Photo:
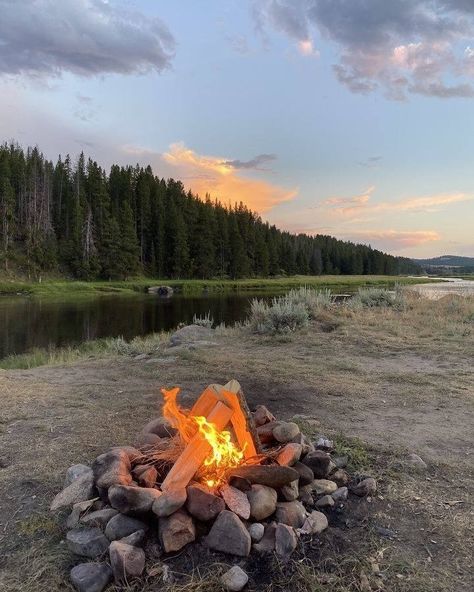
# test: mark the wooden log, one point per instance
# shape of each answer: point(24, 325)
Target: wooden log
point(196, 451)
point(271, 475)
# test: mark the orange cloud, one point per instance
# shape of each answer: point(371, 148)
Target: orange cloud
point(221, 179)
point(394, 239)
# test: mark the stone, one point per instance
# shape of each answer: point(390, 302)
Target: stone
point(169, 502)
point(315, 523)
point(133, 500)
point(323, 486)
point(267, 542)
point(270, 475)
point(305, 443)
point(340, 495)
point(290, 454)
point(285, 540)
point(87, 542)
point(229, 535)
point(318, 461)
point(262, 501)
point(367, 486)
point(235, 579)
point(74, 472)
point(340, 477)
point(305, 495)
point(176, 531)
point(327, 501)
point(265, 432)
point(120, 526)
point(146, 441)
point(191, 334)
point(90, 577)
point(112, 468)
point(236, 500)
point(80, 490)
point(136, 539)
point(285, 431)
point(77, 510)
point(256, 531)
point(340, 461)
point(161, 427)
point(99, 517)
point(290, 513)
point(202, 504)
point(240, 483)
point(306, 475)
point(290, 492)
point(415, 462)
point(145, 475)
point(132, 453)
point(324, 443)
point(262, 415)
point(127, 561)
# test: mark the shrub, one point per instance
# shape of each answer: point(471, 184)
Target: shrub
point(377, 298)
point(314, 300)
point(280, 316)
point(205, 321)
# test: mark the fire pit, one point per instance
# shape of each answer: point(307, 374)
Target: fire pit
point(214, 475)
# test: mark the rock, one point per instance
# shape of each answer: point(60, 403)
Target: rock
point(324, 443)
point(290, 454)
point(267, 543)
point(190, 334)
point(239, 483)
point(270, 475)
point(169, 502)
point(127, 561)
point(285, 431)
point(146, 441)
point(315, 523)
point(136, 539)
point(235, 579)
point(77, 510)
point(291, 513)
point(262, 501)
point(132, 453)
point(74, 472)
point(305, 495)
point(236, 500)
point(367, 486)
point(161, 427)
point(340, 495)
point(87, 542)
point(323, 486)
point(327, 501)
point(340, 461)
point(415, 462)
point(229, 535)
point(80, 490)
point(133, 500)
point(99, 517)
point(145, 475)
point(285, 540)
point(256, 531)
point(176, 531)
point(306, 475)
point(202, 504)
point(318, 461)
point(305, 443)
point(112, 468)
point(90, 577)
point(340, 477)
point(265, 432)
point(262, 415)
point(290, 492)
point(121, 526)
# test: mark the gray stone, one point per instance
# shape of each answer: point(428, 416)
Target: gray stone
point(229, 535)
point(267, 542)
point(161, 427)
point(190, 334)
point(87, 542)
point(290, 492)
point(256, 531)
point(126, 561)
point(235, 579)
point(236, 500)
point(77, 510)
point(145, 475)
point(324, 443)
point(176, 531)
point(306, 475)
point(327, 501)
point(285, 431)
point(99, 517)
point(262, 501)
point(74, 472)
point(146, 441)
point(285, 540)
point(340, 477)
point(367, 486)
point(415, 462)
point(340, 461)
point(318, 461)
point(202, 504)
point(315, 523)
point(305, 495)
point(133, 500)
point(290, 454)
point(132, 453)
point(323, 486)
point(340, 495)
point(141, 356)
point(291, 513)
point(121, 526)
point(136, 539)
point(169, 502)
point(262, 415)
point(112, 468)
point(80, 490)
point(90, 577)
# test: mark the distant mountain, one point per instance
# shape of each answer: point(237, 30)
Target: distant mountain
point(446, 261)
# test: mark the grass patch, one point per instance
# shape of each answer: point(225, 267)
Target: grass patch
point(358, 454)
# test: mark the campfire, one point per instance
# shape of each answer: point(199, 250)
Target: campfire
point(217, 475)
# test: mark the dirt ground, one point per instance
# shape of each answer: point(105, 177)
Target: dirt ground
point(398, 381)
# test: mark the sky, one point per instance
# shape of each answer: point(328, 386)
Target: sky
point(354, 119)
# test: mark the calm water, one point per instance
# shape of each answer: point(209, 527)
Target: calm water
point(26, 323)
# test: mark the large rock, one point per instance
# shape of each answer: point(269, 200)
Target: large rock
point(112, 468)
point(74, 472)
point(285, 431)
point(315, 523)
point(202, 504)
point(132, 453)
point(235, 579)
point(99, 517)
point(323, 486)
point(77, 511)
point(262, 415)
point(120, 526)
point(161, 427)
point(229, 535)
point(80, 490)
point(236, 500)
point(326, 501)
point(126, 561)
point(318, 461)
point(145, 475)
point(306, 475)
point(169, 502)
point(265, 432)
point(367, 486)
point(262, 501)
point(147, 441)
point(191, 334)
point(90, 577)
point(291, 513)
point(290, 454)
point(87, 542)
point(133, 500)
point(340, 477)
point(176, 531)
point(285, 540)
point(270, 475)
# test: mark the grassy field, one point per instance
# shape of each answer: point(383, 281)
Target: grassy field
point(382, 381)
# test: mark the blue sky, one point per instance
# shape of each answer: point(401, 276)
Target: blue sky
point(351, 120)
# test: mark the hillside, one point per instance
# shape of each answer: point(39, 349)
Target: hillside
point(447, 261)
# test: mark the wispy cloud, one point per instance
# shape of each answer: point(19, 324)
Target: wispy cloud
point(371, 162)
point(256, 163)
point(393, 240)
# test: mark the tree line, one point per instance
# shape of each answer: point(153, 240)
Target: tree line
point(74, 218)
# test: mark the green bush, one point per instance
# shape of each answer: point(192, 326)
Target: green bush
point(279, 316)
point(313, 300)
point(377, 298)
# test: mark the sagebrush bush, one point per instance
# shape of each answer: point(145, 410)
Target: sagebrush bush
point(377, 297)
point(279, 316)
point(205, 321)
point(313, 300)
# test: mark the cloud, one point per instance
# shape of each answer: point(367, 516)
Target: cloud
point(371, 162)
point(391, 240)
point(44, 38)
point(306, 48)
point(401, 47)
point(255, 163)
